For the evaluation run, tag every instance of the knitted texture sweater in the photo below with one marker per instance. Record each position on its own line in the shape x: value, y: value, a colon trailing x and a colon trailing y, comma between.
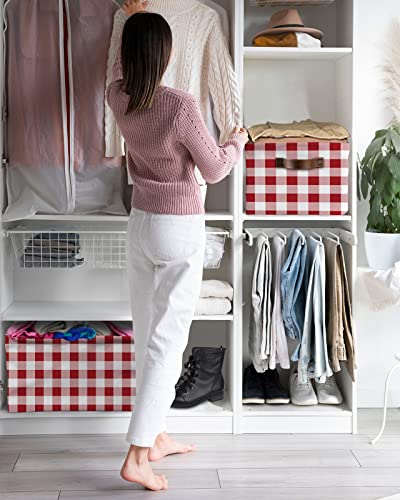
x: 200, y: 64
x: 164, y: 143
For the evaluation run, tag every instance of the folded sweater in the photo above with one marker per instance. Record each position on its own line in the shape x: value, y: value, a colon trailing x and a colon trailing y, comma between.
x: 216, y: 288
x: 200, y: 64
x: 213, y: 306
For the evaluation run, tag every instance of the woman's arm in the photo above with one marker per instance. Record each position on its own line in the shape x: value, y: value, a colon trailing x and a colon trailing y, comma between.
x: 129, y: 8
x: 214, y: 162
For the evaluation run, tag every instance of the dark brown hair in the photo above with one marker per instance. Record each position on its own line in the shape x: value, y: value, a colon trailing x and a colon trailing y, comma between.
x: 145, y: 52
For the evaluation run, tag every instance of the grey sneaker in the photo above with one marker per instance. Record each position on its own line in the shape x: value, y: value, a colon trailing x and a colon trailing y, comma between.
x: 328, y: 393
x: 302, y: 394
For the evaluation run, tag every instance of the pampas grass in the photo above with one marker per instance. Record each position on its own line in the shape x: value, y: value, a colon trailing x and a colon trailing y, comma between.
x: 391, y: 70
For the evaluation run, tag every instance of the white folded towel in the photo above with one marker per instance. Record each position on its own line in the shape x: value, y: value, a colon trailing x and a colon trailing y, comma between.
x: 213, y: 306
x: 216, y: 288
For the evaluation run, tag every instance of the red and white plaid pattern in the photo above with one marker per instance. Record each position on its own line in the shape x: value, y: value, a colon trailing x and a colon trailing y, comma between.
x: 57, y: 375
x: 278, y: 191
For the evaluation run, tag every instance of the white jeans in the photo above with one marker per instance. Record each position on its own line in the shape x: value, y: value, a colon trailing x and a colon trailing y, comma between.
x: 165, y: 269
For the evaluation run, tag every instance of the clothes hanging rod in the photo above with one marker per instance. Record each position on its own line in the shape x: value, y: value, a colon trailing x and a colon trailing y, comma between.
x: 343, y: 235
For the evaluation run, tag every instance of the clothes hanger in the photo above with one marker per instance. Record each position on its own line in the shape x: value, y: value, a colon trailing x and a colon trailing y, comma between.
x: 333, y: 237
x: 303, y: 238
x: 316, y: 236
x: 282, y: 236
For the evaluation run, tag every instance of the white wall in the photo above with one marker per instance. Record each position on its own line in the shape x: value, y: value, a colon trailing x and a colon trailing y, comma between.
x: 378, y: 333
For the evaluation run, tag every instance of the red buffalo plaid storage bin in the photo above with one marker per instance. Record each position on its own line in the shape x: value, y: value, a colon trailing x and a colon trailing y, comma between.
x: 58, y: 375
x: 297, y: 178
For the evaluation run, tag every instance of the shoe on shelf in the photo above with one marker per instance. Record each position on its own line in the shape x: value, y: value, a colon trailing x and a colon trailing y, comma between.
x: 274, y: 393
x: 202, y: 380
x: 253, y: 390
x: 329, y: 393
x: 302, y: 394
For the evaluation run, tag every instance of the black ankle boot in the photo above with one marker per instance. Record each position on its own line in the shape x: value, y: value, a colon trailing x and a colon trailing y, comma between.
x: 202, y: 380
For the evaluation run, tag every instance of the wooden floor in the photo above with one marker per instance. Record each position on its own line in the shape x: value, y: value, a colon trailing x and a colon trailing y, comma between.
x: 224, y: 467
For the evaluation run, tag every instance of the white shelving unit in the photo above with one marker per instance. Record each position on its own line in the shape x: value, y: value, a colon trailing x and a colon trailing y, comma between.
x: 292, y: 84
x: 276, y: 85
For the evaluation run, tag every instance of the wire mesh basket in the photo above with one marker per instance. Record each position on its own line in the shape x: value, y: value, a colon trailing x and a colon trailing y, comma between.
x: 290, y: 3
x: 75, y: 247
x: 54, y: 249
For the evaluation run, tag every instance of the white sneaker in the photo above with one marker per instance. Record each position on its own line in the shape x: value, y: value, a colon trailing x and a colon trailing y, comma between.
x: 328, y: 393
x: 302, y: 394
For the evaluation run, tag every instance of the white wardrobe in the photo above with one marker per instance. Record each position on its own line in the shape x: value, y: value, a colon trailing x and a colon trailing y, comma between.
x: 278, y: 85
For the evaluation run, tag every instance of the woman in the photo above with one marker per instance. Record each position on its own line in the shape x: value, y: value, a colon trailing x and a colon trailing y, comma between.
x: 166, y: 137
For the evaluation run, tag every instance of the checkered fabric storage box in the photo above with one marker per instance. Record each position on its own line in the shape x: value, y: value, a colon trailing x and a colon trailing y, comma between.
x: 282, y: 191
x: 58, y: 375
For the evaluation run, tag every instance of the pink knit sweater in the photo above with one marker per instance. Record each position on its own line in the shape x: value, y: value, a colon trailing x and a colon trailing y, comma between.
x: 164, y: 144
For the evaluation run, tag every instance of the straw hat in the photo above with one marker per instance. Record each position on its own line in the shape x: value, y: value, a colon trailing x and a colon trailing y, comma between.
x: 288, y: 21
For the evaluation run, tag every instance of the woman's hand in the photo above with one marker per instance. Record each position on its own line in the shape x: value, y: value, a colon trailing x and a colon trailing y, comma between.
x: 131, y: 7
x: 242, y: 133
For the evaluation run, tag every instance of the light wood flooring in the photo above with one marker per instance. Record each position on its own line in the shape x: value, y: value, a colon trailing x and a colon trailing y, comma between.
x: 224, y: 467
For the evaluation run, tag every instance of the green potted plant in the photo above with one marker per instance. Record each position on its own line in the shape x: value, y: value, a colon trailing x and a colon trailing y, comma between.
x: 379, y: 178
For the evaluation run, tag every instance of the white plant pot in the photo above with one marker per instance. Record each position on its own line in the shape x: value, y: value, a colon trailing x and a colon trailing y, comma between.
x: 382, y: 249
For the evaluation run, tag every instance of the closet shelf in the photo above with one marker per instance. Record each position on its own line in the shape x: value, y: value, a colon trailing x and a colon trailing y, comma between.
x: 79, y: 311
x: 292, y: 410
x: 219, y: 409
x: 279, y: 53
x: 283, y: 218
x: 217, y: 215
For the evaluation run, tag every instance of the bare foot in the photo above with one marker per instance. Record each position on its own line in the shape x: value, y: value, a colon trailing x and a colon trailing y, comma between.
x: 143, y: 474
x: 165, y: 445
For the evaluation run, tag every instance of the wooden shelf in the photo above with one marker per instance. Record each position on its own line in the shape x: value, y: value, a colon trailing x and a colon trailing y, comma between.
x: 282, y: 53
x: 79, y: 311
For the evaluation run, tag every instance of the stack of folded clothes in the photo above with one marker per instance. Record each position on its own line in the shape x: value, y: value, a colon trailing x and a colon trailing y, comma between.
x: 215, y: 298
x: 52, y: 250
x: 67, y: 330
x: 302, y: 131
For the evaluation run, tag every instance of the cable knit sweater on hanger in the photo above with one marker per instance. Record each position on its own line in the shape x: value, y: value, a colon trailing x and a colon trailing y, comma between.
x: 164, y: 144
x: 200, y: 64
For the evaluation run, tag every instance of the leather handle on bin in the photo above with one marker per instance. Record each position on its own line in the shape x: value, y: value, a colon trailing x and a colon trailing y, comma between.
x: 300, y: 164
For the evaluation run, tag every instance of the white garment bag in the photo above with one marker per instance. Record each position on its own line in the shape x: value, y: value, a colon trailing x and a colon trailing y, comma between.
x: 56, y: 59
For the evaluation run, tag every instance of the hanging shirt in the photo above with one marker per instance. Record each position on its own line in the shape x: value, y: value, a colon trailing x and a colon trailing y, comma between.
x: 200, y: 64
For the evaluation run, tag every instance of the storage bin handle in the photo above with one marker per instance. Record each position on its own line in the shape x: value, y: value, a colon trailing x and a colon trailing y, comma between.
x: 300, y: 164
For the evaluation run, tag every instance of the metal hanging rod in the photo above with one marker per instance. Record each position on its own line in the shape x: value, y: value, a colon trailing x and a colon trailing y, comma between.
x: 222, y: 232
x: 341, y: 234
